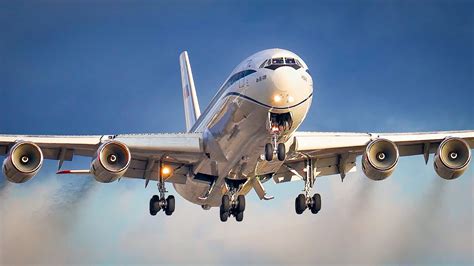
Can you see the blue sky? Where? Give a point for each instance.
(82, 67)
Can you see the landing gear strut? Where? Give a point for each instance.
(232, 204)
(304, 201)
(158, 203)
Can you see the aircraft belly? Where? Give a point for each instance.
(236, 137)
(193, 190)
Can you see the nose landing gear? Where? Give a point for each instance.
(279, 123)
(272, 148)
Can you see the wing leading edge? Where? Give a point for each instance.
(148, 151)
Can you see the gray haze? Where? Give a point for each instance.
(362, 222)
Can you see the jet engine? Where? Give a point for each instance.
(111, 161)
(24, 160)
(380, 159)
(452, 158)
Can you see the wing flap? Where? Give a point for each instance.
(323, 166)
(174, 143)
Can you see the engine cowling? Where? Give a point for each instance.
(380, 158)
(111, 161)
(452, 158)
(23, 162)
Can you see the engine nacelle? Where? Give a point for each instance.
(111, 161)
(24, 160)
(380, 159)
(452, 158)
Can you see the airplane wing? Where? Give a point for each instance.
(335, 153)
(148, 151)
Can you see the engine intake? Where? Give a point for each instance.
(111, 162)
(23, 162)
(452, 158)
(380, 158)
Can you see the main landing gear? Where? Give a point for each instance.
(313, 203)
(234, 207)
(232, 203)
(304, 201)
(158, 203)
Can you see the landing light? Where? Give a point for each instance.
(277, 98)
(165, 171)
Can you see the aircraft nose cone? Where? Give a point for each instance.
(284, 79)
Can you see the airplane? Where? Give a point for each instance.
(246, 136)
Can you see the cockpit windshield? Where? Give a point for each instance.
(275, 63)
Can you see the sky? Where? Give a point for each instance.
(111, 67)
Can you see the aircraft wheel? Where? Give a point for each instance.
(225, 203)
(154, 206)
(224, 215)
(170, 205)
(281, 152)
(268, 152)
(239, 216)
(316, 206)
(300, 204)
(240, 203)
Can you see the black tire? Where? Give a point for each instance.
(239, 217)
(224, 215)
(153, 203)
(240, 203)
(281, 152)
(268, 152)
(225, 203)
(170, 205)
(300, 204)
(316, 206)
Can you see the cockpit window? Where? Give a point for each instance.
(275, 63)
(298, 63)
(278, 61)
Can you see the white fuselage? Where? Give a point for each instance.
(237, 123)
